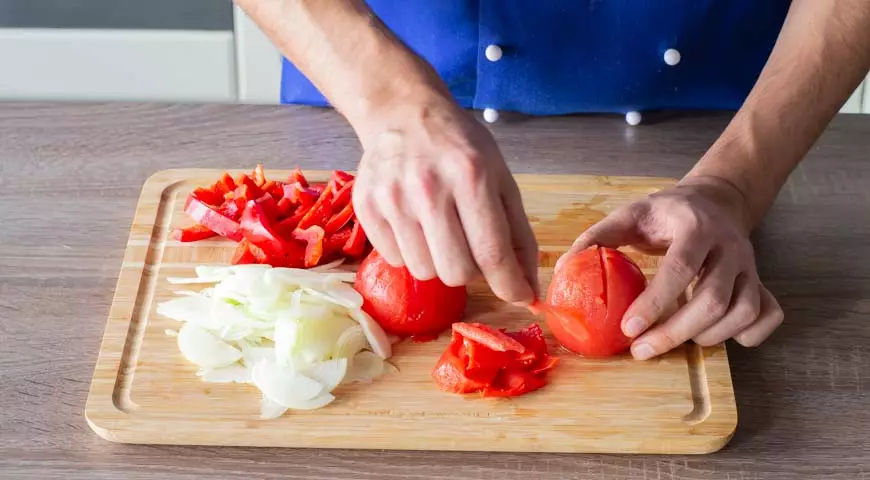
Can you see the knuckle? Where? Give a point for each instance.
(491, 257)
(680, 269)
(716, 303)
(456, 277)
(667, 341)
(389, 196)
(706, 340)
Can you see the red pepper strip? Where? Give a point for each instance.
(356, 244)
(260, 229)
(243, 254)
(224, 184)
(298, 177)
(208, 217)
(318, 188)
(337, 180)
(285, 207)
(334, 242)
(270, 188)
(252, 192)
(230, 209)
(488, 337)
(300, 195)
(313, 237)
(192, 233)
(208, 196)
(343, 197)
(450, 372)
(340, 219)
(270, 207)
(511, 383)
(319, 212)
(259, 175)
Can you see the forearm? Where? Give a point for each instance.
(820, 57)
(347, 53)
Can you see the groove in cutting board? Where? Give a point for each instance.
(143, 391)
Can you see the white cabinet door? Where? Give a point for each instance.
(259, 63)
(129, 65)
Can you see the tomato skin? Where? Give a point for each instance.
(597, 285)
(403, 305)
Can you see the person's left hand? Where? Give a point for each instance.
(701, 223)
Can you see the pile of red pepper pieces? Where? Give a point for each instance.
(281, 223)
(494, 362)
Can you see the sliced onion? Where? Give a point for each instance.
(270, 409)
(327, 266)
(350, 343)
(295, 334)
(202, 348)
(193, 310)
(283, 384)
(376, 336)
(233, 373)
(328, 373)
(365, 367)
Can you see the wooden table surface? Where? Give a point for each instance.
(70, 175)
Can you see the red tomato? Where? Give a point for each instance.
(403, 305)
(596, 287)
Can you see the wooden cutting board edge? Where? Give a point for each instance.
(713, 420)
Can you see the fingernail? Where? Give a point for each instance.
(642, 351)
(634, 327)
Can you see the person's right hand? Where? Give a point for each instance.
(433, 193)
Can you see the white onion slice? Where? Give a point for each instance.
(202, 348)
(194, 310)
(233, 373)
(328, 373)
(283, 384)
(365, 367)
(350, 343)
(326, 267)
(376, 336)
(270, 409)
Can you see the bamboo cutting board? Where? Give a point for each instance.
(143, 391)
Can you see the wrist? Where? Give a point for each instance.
(726, 194)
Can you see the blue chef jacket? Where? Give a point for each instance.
(572, 56)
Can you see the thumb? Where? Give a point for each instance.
(617, 229)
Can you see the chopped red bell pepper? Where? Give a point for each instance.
(340, 219)
(318, 187)
(313, 238)
(285, 207)
(225, 184)
(261, 230)
(243, 254)
(356, 244)
(334, 242)
(208, 196)
(259, 175)
(298, 177)
(320, 212)
(343, 196)
(300, 195)
(337, 180)
(252, 192)
(192, 233)
(210, 218)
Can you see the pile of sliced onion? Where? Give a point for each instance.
(294, 334)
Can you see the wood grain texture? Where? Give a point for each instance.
(143, 391)
(70, 176)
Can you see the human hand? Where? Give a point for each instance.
(434, 194)
(701, 223)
